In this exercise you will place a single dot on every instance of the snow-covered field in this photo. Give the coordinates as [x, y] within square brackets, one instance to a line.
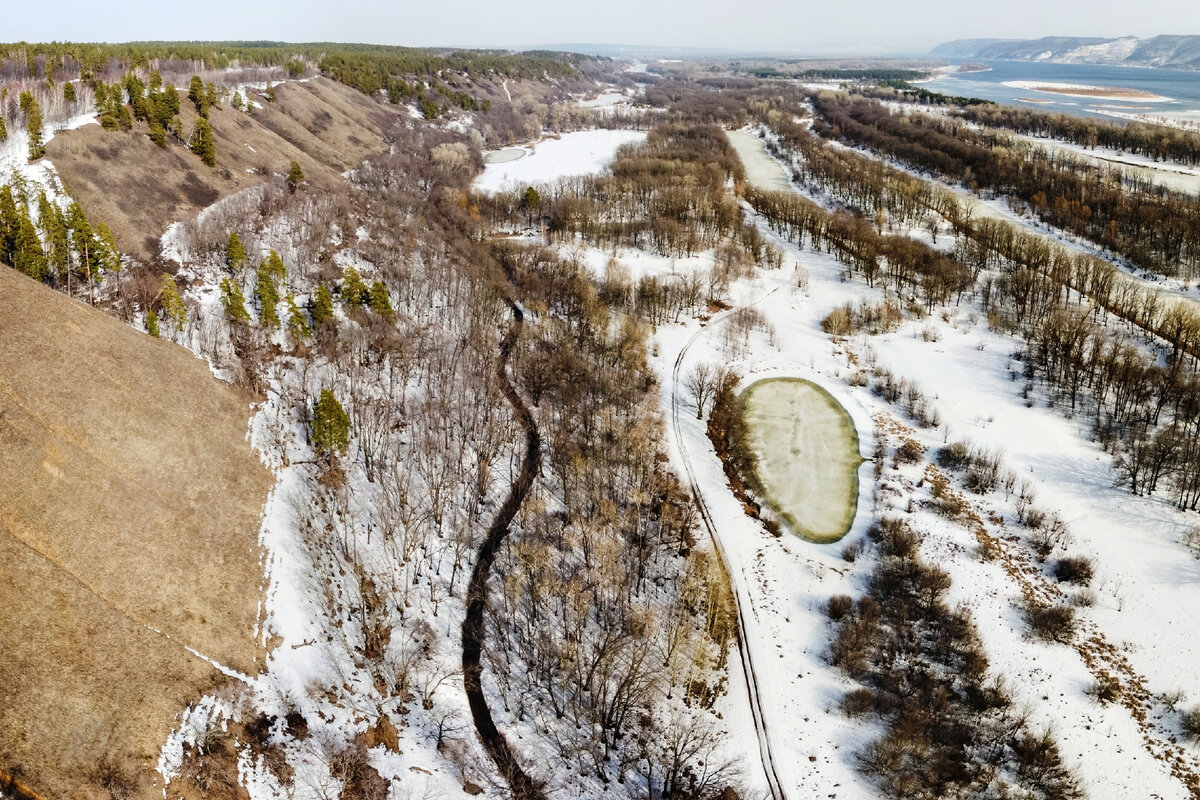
[808, 455]
[578, 153]
[761, 170]
[1146, 607]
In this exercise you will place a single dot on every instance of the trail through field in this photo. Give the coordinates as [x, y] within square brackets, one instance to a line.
[745, 639]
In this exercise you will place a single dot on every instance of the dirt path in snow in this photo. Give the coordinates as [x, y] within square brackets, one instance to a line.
[753, 692]
[523, 786]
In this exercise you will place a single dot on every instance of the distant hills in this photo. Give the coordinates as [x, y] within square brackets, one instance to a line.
[1177, 52]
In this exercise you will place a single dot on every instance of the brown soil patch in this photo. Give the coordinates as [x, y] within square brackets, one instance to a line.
[138, 188]
[130, 503]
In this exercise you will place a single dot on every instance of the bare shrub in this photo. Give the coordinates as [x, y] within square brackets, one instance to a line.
[1052, 623]
[839, 606]
[1074, 569]
[850, 552]
[1084, 598]
[1105, 689]
[956, 455]
[983, 472]
[1189, 723]
[360, 780]
[858, 702]
[894, 537]
[909, 452]
[113, 777]
[874, 319]
[1191, 540]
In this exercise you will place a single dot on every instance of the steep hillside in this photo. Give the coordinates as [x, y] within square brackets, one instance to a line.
[132, 570]
[139, 189]
[1176, 52]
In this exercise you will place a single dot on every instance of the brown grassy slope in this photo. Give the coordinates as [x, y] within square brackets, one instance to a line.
[138, 189]
[129, 500]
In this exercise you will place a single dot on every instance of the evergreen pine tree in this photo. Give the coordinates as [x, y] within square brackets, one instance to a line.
[297, 324]
[354, 291]
[3, 129]
[202, 143]
[108, 258]
[54, 231]
[171, 303]
[33, 125]
[330, 425]
[29, 256]
[379, 300]
[10, 224]
[295, 177]
[197, 95]
[275, 268]
[82, 239]
[267, 295]
[234, 301]
[152, 323]
[322, 307]
[235, 254]
[169, 102]
[69, 92]
[158, 134]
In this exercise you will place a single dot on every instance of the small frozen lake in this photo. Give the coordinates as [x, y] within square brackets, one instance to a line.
[808, 459]
[576, 153]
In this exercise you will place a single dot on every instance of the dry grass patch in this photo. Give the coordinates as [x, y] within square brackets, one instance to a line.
[138, 188]
[130, 503]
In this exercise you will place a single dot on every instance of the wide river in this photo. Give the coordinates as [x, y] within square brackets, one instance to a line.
[1182, 87]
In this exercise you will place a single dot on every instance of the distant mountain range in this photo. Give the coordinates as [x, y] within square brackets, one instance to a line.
[1176, 52]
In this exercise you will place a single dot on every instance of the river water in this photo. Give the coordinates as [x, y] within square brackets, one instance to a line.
[1182, 87]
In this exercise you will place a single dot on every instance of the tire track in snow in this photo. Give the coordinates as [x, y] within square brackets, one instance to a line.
[754, 695]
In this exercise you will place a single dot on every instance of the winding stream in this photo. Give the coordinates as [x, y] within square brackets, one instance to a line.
[473, 631]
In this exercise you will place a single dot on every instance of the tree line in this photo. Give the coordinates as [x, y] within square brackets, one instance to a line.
[1153, 228]
[1159, 142]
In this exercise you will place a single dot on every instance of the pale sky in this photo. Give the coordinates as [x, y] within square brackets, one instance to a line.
[816, 26]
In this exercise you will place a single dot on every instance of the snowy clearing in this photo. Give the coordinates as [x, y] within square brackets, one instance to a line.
[579, 153]
[808, 457]
[762, 171]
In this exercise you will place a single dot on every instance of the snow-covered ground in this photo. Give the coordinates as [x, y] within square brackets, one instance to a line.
[1141, 621]
[577, 153]
[1138, 621]
[21, 174]
[1178, 177]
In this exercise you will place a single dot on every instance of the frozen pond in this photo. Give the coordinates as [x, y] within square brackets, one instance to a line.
[762, 171]
[577, 153]
[504, 156]
[808, 459]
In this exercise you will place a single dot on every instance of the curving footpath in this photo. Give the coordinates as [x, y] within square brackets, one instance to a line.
[754, 695]
[522, 785]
